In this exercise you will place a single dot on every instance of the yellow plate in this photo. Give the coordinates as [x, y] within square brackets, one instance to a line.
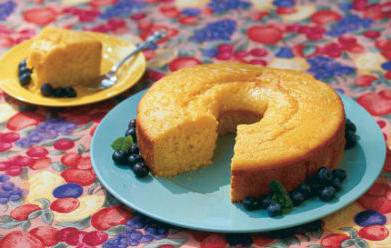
[113, 50]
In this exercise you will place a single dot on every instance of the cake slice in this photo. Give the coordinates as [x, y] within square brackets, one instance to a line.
[65, 58]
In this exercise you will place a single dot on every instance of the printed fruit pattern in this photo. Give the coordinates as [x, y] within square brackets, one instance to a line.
[77, 176]
[23, 120]
[65, 205]
[377, 198]
[333, 240]
[6, 111]
[7, 140]
[88, 204]
[23, 211]
[213, 241]
[265, 34]
[374, 232]
[75, 160]
[41, 185]
[46, 177]
[40, 16]
[46, 234]
[109, 217]
[19, 239]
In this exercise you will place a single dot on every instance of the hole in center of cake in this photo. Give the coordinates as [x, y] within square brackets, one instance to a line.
[228, 120]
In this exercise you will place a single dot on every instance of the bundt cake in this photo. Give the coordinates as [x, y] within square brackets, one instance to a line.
[287, 124]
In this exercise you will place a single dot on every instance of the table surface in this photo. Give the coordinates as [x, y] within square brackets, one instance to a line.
[345, 44]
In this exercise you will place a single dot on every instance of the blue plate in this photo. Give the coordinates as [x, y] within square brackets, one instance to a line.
[201, 200]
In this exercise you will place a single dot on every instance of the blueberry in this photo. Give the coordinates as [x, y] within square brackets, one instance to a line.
[284, 3]
[22, 64]
[297, 197]
[339, 173]
[146, 238]
[132, 123]
[136, 222]
[15, 197]
[17, 191]
[369, 218]
[131, 132]
[162, 231]
[315, 184]
[73, 190]
[349, 126]
[305, 189]
[25, 79]
[134, 159]
[251, 203]
[8, 186]
[120, 157]
[24, 70]
[337, 184]
[5, 194]
[140, 170]
[136, 235]
[134, 242]
[265, 202]
[4, 178]
[70, 92]
[151, 230]
[3, 200]
[327, 193]
[386, 66]
[59, 92]
[324, 175]
[239, 239]
[134, 149]
[285, 52]
[47, 90]
[274, 209]
[351, 139]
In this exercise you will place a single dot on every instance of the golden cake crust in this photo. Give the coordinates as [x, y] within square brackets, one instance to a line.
[300, 126]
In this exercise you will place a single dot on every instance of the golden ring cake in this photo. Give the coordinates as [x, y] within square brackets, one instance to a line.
[287, 124]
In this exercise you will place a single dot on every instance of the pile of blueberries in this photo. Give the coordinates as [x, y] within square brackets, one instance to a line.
[348, 24]
[218, 30]
[324, 68]
[221, 6]
[350, 134]
[8, 190]
[132, 157]
[66, 92]
[324, 184]
[24, 74]
[138, 230]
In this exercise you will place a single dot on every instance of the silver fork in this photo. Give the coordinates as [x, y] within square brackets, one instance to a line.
[110, 78]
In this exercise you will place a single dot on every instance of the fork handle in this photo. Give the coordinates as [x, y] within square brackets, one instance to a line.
[139, 47]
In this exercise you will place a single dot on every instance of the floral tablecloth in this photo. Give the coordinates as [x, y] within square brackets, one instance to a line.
[49, 194]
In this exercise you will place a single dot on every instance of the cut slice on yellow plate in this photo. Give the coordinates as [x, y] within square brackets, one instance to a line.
[113, 50]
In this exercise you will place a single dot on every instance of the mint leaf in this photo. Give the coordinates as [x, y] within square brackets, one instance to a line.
[122, 144]
[281, 196]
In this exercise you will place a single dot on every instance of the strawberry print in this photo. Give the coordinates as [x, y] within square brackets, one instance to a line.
[40, 16]
[19, 239]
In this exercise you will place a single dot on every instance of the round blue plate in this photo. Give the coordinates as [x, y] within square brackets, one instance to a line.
[201, 199]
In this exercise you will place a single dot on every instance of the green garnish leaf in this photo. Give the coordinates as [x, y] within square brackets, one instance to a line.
[281, 196]
[122, 143]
